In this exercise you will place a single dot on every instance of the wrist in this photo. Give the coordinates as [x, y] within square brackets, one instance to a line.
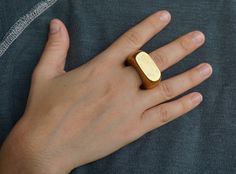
[17, 155]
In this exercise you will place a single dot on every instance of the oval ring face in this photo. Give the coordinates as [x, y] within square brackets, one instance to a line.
[148, 66]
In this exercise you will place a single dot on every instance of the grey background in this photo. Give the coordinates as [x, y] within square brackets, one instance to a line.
[203, 141]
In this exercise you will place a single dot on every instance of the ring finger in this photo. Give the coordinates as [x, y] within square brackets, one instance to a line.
[172, 87]
[173, 52]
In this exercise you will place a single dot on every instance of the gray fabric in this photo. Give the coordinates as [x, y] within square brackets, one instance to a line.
[204, 141]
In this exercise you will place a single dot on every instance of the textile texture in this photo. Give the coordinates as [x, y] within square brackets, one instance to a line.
[203, 141]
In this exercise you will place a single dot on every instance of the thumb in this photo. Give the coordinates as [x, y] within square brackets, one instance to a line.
[52, 62]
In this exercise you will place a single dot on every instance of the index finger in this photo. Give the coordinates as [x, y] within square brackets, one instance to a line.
[137, 36]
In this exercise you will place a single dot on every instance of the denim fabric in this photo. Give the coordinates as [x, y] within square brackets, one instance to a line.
[203, 141]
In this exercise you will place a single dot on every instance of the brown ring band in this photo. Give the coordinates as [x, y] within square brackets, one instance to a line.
[146, 68]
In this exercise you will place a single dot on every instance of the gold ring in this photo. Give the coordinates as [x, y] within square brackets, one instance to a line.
[146, 68]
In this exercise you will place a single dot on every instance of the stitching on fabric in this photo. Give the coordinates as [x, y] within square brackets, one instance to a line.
[16, 30]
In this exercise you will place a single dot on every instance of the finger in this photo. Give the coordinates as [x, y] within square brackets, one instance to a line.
[138, 35]
[170, 88]
[53, 59]
[175, 51]
[164, 113]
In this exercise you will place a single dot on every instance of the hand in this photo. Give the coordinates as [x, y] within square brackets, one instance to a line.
[76, 117]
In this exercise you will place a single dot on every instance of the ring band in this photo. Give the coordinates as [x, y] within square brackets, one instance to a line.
[146, 68]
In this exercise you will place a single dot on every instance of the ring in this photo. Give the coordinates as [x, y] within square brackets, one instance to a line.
[146, 68]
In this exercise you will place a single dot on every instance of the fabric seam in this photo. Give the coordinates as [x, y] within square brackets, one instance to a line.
[16, 30]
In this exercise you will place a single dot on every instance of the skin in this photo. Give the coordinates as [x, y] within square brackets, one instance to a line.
[76, 117]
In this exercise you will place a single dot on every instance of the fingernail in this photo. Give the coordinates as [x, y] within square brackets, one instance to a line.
[205, 70]
[197, 37]
[196, 99]
[164, 16]
[54, 27]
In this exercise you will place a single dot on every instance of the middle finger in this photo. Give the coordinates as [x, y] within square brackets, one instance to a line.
[173, 52]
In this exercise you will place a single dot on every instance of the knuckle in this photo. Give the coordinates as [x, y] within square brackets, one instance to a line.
[191, 78]
[183, 44]
[133, 39]
[161, 59]
[164, 116]
[166, 91]
[153, 23]
[183, 106]
[56, 44]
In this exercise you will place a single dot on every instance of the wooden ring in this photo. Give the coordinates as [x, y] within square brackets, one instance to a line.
[146, 68]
